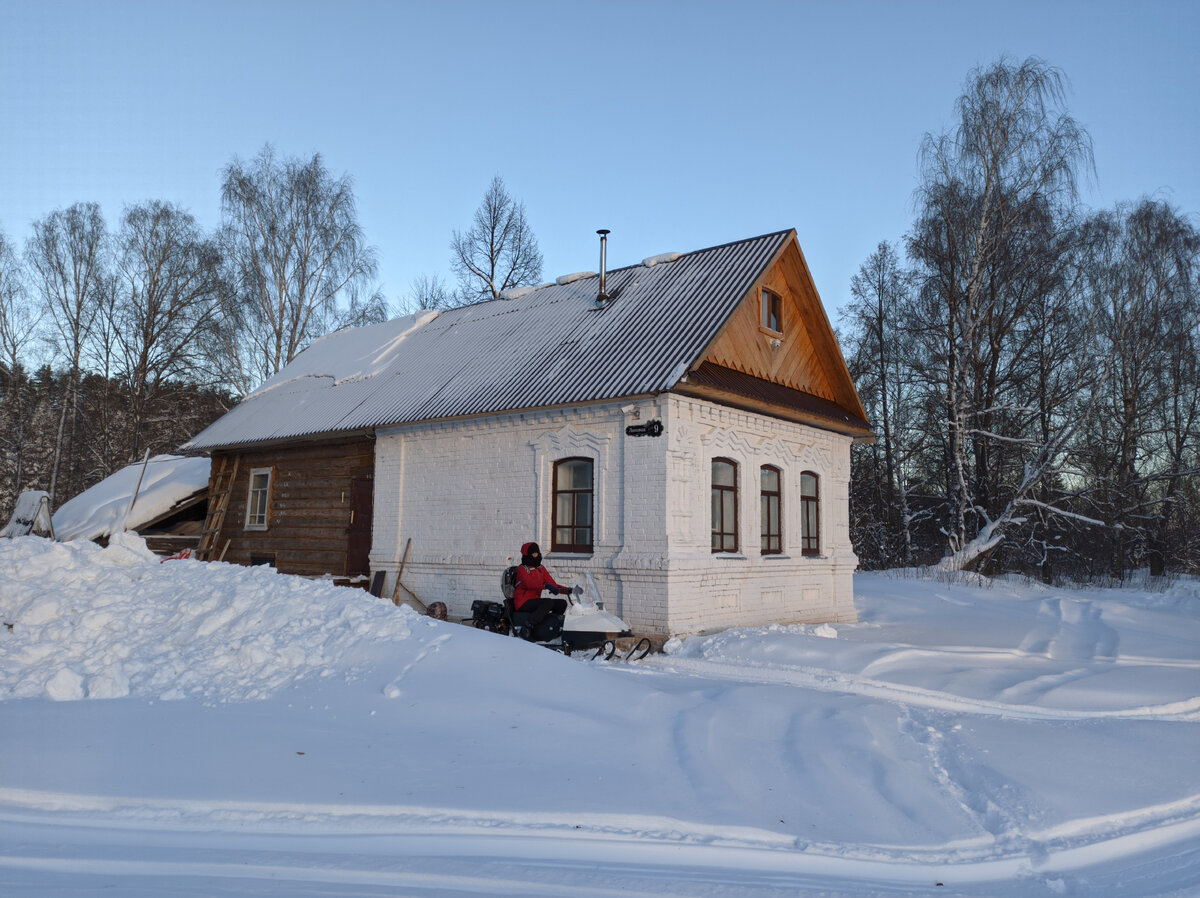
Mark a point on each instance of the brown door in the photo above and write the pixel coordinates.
(358, 536)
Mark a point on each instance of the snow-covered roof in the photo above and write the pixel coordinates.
(100, 511)
(549, 346)
(29, 515)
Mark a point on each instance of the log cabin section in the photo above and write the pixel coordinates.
(303, 508)
(777, 354)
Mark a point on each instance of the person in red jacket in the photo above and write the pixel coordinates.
(532, 578)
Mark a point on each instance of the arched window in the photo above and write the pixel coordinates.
(724, 505)
(770, 500)
(810, 514)
(572, 523)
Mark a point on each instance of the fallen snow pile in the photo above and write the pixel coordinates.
(126, 624)
(104, 509)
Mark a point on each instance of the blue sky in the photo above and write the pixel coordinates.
(676, 125)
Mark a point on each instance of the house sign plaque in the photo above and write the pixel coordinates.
(649, 429)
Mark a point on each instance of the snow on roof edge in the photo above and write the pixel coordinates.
(660, 259)
(563, 280)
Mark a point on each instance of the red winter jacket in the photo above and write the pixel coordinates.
(530, 583)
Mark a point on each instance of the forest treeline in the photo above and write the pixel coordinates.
(1029, 365)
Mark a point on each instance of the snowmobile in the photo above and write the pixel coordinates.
(586, 626)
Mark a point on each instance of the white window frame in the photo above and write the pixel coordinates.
(260, 519)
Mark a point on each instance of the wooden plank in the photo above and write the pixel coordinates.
(377, 583)
(400, 573)
(807, 357)
(400, 585)
(309, 504)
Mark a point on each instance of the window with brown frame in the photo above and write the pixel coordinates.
(770, 501)
(772, 311)
(573, 493)
(724, 505)
(810, 514)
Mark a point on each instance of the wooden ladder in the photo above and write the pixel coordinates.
(218, 502)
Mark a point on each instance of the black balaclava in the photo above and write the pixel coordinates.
(531, 555)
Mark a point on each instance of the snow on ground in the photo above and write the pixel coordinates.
(184, 728)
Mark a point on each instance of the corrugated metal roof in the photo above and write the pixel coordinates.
(551, 346)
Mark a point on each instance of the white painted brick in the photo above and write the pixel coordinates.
(468, 493)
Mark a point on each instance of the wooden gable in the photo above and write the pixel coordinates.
(802, 356)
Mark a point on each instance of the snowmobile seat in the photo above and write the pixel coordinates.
(549, 629)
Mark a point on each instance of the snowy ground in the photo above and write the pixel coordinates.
(202, 729)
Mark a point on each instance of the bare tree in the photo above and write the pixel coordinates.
(1143, 278)
(18, 319)
(498, 251)
(428, 292)
(996, 198)
(168, 303)
(295, 247)
(18, 323)
(880, 359)
(68, 256)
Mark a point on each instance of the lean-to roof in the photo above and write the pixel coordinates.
(549, 346)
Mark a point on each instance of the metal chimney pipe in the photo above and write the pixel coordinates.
(603, 297)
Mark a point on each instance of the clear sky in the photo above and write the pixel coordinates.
(678, 125)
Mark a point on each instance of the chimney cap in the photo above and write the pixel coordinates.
(603, 231)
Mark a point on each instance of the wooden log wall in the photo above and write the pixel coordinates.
(308, 513)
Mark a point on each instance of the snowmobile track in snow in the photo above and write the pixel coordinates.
(823, 680)
(220, 846)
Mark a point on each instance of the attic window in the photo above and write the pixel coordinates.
(772, 321)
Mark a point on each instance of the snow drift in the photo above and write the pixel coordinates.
(261, 733)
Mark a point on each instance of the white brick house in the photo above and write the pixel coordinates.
(685, 441)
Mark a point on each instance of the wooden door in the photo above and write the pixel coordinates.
(358, 534)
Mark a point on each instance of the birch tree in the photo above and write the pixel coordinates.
(168, 306)
(1142, 275)
(18, 324)
(995, 194)
(68, 257)
(299, 262)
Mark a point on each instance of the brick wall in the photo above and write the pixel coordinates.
(468, 493)
(711, 591)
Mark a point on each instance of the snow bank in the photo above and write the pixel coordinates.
(1006, 741)
(88, 622)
